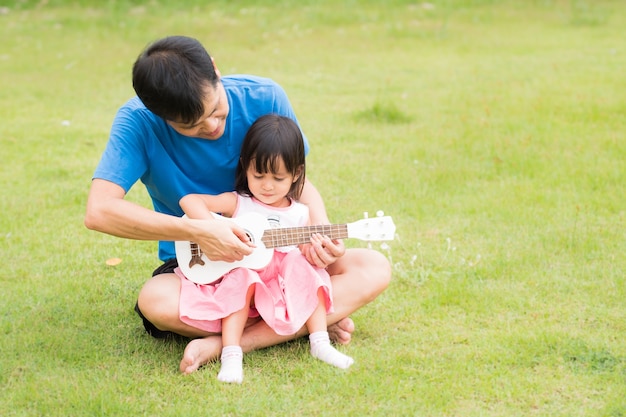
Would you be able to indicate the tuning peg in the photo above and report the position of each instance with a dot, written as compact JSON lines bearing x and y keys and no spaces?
{"x":380,"y":213}
{"x":365,"y":215}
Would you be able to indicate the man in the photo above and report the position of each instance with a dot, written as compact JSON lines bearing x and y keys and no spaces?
{"x":182,"y":134}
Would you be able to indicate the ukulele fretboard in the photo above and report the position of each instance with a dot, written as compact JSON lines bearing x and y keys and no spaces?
{"x":287,"y":236}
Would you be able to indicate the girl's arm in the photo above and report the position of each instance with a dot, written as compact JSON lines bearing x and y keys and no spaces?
{"x":200,"y":206}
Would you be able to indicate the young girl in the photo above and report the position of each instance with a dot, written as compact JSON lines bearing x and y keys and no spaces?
{"x":289,"y":292}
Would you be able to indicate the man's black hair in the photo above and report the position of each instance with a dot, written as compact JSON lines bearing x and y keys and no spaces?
{"x":170,"y":77}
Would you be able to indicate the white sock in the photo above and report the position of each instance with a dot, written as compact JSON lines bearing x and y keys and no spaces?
{"x":232,"y":365}
{"x":322,"y":350}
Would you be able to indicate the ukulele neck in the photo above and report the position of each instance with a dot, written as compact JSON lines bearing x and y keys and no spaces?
{"x":288,"y":236}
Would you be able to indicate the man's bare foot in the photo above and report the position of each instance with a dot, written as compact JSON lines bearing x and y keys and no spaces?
{"x":200,"y":351}
{"x":341,"y":332}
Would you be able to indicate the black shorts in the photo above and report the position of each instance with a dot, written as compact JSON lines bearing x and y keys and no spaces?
{"x":167,"y":268}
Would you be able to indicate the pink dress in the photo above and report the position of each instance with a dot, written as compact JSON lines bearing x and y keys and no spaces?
{"x":285,"y":290}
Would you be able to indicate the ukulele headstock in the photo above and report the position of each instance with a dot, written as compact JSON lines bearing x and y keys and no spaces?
{"x":372,"y":229}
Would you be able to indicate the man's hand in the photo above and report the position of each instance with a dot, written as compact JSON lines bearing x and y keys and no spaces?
{"x":322,"y":251}
{"x":222,"y":240}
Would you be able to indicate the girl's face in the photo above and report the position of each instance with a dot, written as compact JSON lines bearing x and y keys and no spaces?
{"x":271,"y":188}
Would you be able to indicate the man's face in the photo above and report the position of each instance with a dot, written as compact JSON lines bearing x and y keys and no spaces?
{"x":212,"y":123}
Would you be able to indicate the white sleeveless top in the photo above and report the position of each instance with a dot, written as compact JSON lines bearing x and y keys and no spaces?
{"x":297,"y":214}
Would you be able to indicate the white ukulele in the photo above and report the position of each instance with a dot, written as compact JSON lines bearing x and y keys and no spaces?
{"x":199,"y":269}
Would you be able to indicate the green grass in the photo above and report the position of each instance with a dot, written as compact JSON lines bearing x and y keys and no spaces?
{"x":492,"y":131}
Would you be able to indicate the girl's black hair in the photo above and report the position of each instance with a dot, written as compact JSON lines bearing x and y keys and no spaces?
{"x":269,"y":139}
{"x":170,"y":77}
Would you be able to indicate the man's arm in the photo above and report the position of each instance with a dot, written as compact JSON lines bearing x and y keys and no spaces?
{"x":313,"y":199}
{"x":108,"y":212}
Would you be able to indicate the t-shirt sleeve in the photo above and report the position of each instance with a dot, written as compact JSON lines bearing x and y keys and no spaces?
{"x":123,"y":161}
{"x":283,"y":106}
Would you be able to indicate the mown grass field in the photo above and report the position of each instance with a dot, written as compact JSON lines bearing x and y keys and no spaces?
{"x":493,"y":132}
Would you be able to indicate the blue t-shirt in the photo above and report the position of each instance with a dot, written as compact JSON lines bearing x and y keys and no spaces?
{"x":142,"y":146}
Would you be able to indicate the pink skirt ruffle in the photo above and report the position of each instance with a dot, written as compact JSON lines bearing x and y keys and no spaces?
{"x":285,"y":295}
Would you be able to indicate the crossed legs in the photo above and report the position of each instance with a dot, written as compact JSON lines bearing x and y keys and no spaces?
{"x":357,"y":278}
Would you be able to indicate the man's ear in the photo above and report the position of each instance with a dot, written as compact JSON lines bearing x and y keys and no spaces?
{"x":217,"y":71}
{"x":298,"y":173}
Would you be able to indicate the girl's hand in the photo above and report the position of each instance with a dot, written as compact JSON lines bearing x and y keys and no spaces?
{"x":322,"y":251}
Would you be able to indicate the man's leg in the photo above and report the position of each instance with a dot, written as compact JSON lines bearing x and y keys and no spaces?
{"x":158,"y":302}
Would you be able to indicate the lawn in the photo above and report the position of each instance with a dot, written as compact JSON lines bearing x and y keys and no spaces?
{"x":493,"y":132}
